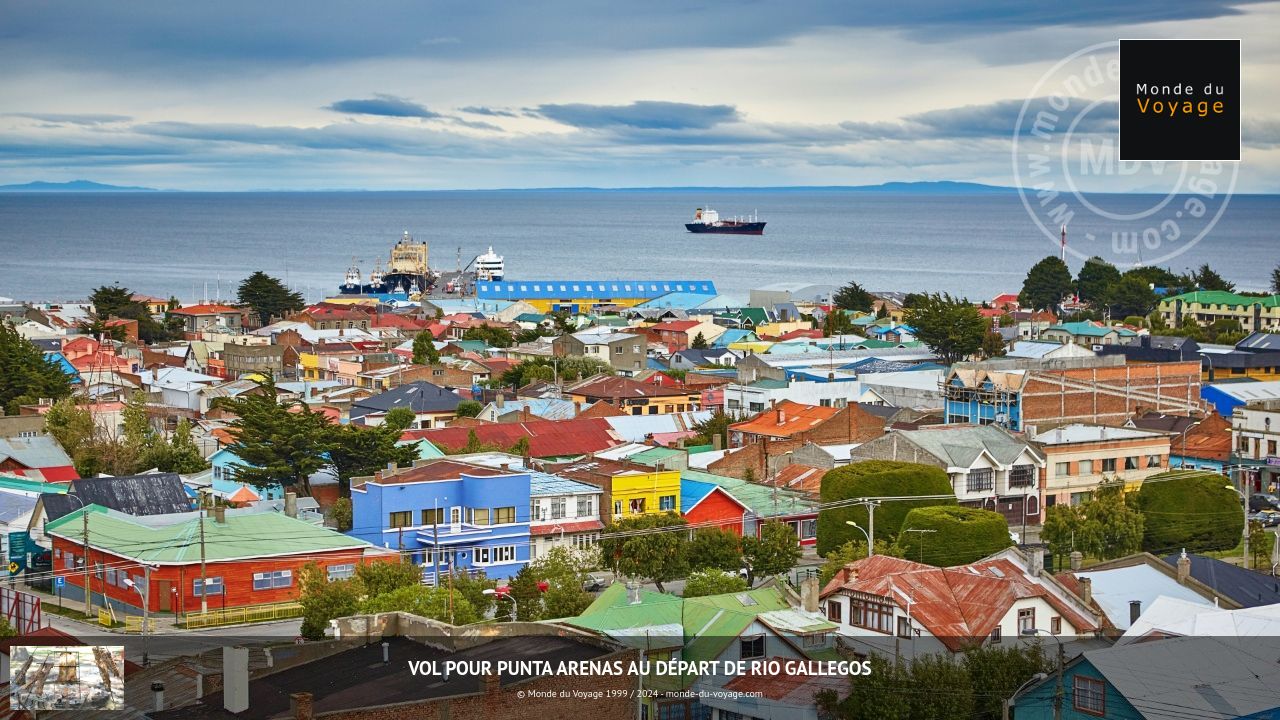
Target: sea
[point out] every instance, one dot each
(59, 246)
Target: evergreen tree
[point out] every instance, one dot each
(1275, 280)
(952, 328)
(853, 297)
(774, 552)
(1207, 279)
(469, 408)
(357, 450)
(715, 549)
(424, 349)
(657, 556)
(712, 582)
(993, 345)
(699, 342)
(267, 297)
(1131, 296)
(1095, 281)
(281, 443)
(26, 375)
(1047, 283)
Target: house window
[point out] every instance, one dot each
(1089, 695)
(1109, 465)
(403, 518)
(1022, 476)
(667, 502)
(618, 350)
(1131, 462)
(835, 613)
(433, 516)
(1153, 461)
(637, 506)
(557, 508)
(504, 515)
(815, 640)
(808, 529)
(479, 516)
(980, 480)
(536, 512)
(269, 580)
(752, 647)
(1055, 625)
(111, 577)
(617, 507)
(872, 615)
(1026, 620)
(584, 506)
(904, 627)
(1062, 469)
(212, 585)
(1086, 467)
(341, 572)
(996, 636)
(495, 555)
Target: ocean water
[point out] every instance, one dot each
(61, 246)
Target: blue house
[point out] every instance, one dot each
(225, 466)
(1187, 677)
(447, 515)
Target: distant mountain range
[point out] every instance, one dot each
(72, 186)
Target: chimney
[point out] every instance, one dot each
(1135, 611)
(782, 415)
(717, 442)
(392, 467)
(235, 679)
(633, 592)
(157, 692)
(500, 401)
(220, 515)
(525, 415)
(1077, 560)
(291, 504)
(1036, 562)
(301, 706)
(809, 594)
(1086, 590)
(492, 684)
(1184, 568)
(386, 653)
(577, 408)
(505, 465)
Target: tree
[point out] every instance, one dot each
(993, 345)
(658, 555)
(569, 369)
(472, 587)
(380, 578)
(564, 570)
(424, 349)
(837, 322)
(853, 297)
(113, 301)
(715, 549)
(1131, 296)
(323, 600)
(715, 426)
(178, 454)
(1189, 509)
(1275, 280)
(26, 375)
(1096, 279)
(6, 630)
(469, 408)
(952, 328)
(426, 601)
(774, 552)
(712, 582)
(1260, 543)
(73, 427)
(281, 443)
(956, 535)
(699, 342)
(341, 513)
(1105, 526)
(1207, 279)
(876, 478)
(359, 450)
(1047, 283)
(491, 335)
(852, 551)
(267, 297)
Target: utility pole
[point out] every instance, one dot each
(204, 582)
(871, 506)
(88, 590)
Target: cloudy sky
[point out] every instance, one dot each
(414, 94)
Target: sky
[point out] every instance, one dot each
(418, 94)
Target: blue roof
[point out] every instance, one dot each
(589, 289)
(693, 491)
(733, 335)
(541, 483)
(678, 300)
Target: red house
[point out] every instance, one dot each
(251, 558)
(706, 505)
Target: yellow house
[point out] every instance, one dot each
(755, 346)
(629, 490)
(778, 329)
(1254, 313)
(309, 365)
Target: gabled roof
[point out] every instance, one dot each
(547, 438)
(1246, 587)
(151, 494)
(1260, 342)
(693, 492)
(421, 397)
(960, 445)
(207, 309)
(613, 386)
(786, 419)
(39, 452)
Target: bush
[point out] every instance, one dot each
(1192, 510)
(961, 535)
(713, 582)
(876, 478)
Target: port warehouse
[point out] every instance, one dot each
(577, 296)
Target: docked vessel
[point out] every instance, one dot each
(708, 221)
(407, 272)
(489, 266)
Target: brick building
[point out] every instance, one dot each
(1079, 458)
(786, 427)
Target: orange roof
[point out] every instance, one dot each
(209, 309)
(804, 478)
(786, 419)
(244, 495)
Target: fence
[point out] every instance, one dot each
(236, 616)
(133, 623)
(21, 610)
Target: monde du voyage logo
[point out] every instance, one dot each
(1180, 100)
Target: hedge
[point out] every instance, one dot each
(1192, 510)
(960, 535)
(876, 478)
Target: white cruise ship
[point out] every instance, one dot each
(489, 266)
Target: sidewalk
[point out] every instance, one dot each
(49, 602)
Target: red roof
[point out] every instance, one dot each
(443, 469)
(209, 309)
(954, 604)
(804, 478)
(337, 311)
(802, 333)
(786, 419)
(584, 526)
(547, 438)
(676, 325)
(392, 320)
(612, 386)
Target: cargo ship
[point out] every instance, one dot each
(407, 273)
(708, 221)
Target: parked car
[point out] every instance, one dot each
(1263, 501)
(593, 584)
(1268, 518)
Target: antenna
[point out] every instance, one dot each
(1064, 243)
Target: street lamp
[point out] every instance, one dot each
(88, 592)
(1057, 693)
(507, 595)
(870, 550)
(1005, 704)
(145, 594)
(1244, 502)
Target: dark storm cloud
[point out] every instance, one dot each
(385, 106)
(164, 36)
(643, 114)
(991, 120)
(72, 118)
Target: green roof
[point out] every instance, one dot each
(477, 346)
(1222, 297)
(693, 449)
(760, 499)
(531, 317)
(1088, 329)
(249, 535)
(426, 449)
(654, 455)
(17, 483)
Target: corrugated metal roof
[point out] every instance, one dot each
(40, 451)
(547, 438)
(634, 428)
(589, 289)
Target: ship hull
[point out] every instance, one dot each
(727, 228)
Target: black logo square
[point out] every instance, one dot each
(1180, 99)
